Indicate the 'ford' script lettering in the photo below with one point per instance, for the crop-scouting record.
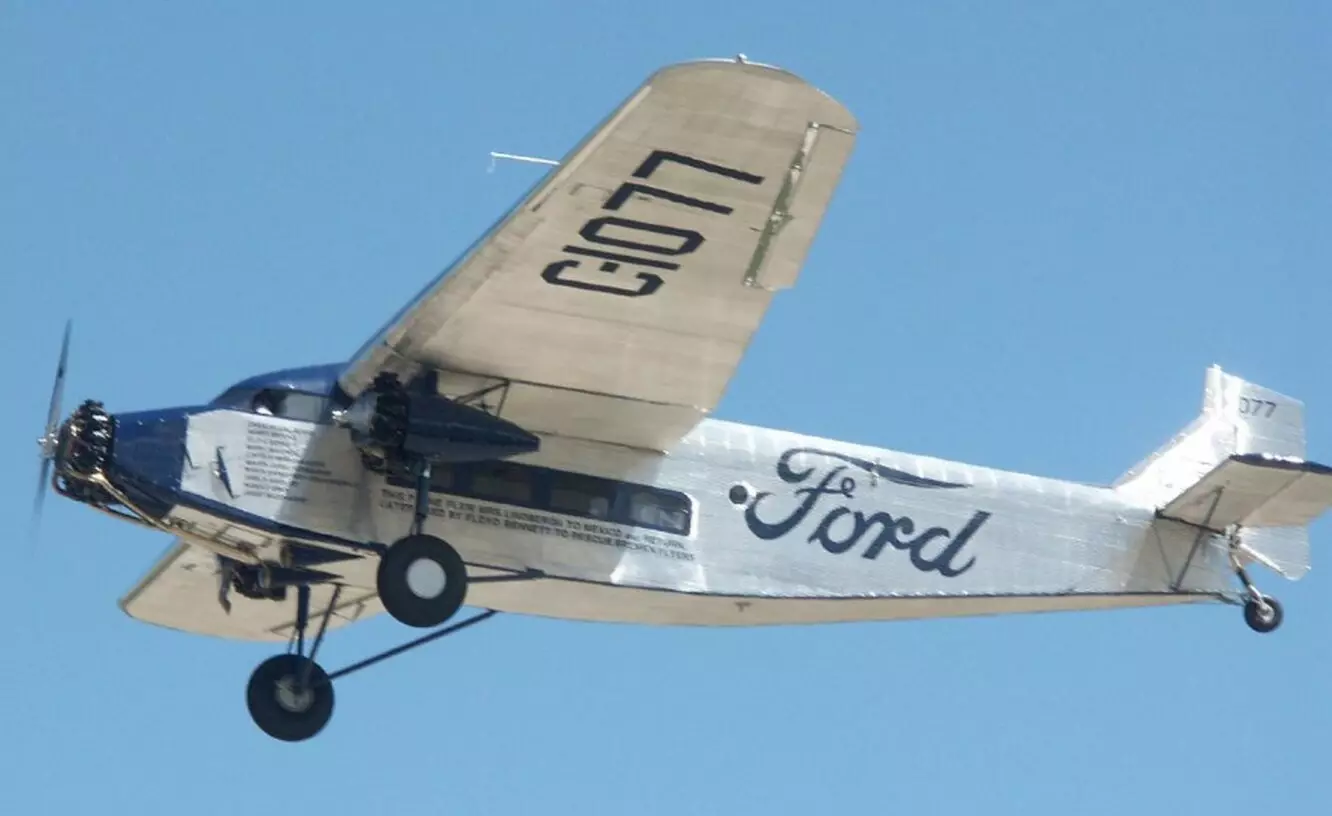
(936, 549)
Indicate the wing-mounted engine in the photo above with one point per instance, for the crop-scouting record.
(421, 579)
(395, 424)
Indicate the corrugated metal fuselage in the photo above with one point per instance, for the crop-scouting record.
(778, 528)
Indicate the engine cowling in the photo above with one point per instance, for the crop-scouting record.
(83, 450)
(390, 423)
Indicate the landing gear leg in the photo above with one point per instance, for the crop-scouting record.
(1262, 613)
(423, 474)
(290, 696)
(422, 580)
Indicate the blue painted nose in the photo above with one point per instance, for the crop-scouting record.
(147, 455)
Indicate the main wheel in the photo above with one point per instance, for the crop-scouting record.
(282, 706)
(422, 581)
(1263, 616)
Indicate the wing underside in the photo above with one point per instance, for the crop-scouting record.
(615, 301)
(181, 592)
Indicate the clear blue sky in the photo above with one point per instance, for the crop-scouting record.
(1058, 214)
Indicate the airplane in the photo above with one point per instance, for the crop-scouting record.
(531, 435)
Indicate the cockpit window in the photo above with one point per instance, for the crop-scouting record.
(289, 405)
(267, 403)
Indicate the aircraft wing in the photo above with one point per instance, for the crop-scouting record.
(180, 592)
(615, 300)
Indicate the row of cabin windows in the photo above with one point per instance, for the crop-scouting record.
(570, 494)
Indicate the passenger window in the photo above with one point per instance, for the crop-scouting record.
(581, 496)
(441, 478)
(664, 511)
(400, 474)
(502, 483)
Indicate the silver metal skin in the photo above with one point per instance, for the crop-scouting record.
(1027, 544)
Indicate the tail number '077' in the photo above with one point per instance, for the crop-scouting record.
(613, 237)
(1248, 406)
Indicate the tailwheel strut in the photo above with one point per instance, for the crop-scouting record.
(290, 696)
(1262, 613)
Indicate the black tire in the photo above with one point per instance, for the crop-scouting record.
(278, 706)
(1260, 619)
(408, 581)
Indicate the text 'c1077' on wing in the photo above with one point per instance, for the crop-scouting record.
(610, 248)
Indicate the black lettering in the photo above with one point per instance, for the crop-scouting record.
(778, 529)
(893, 531)
(591, 231)
(655, 159)
(836, 546)
(551, 274)
(944, 561)
(620, 196)
(617, 257)
(891, 527)
(914, 546)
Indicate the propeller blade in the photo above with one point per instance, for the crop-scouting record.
(42, 478)
(50, 433)
(58, 390)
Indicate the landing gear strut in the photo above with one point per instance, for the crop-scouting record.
(290, 696)
(421, 581)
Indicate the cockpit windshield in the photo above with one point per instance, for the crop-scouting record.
(301, 394)
(289, 405)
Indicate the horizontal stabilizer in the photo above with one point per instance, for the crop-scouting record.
(1255, 490)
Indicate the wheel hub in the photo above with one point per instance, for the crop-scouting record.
(291, 696)
(426, 578)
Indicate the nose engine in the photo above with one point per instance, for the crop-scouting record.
(83, 448)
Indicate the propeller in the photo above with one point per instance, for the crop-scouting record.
(50, 439)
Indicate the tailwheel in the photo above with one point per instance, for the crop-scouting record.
(1262, 614)
(422, 581)
(290, 697)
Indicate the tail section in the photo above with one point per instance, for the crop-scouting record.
(1240, 463)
